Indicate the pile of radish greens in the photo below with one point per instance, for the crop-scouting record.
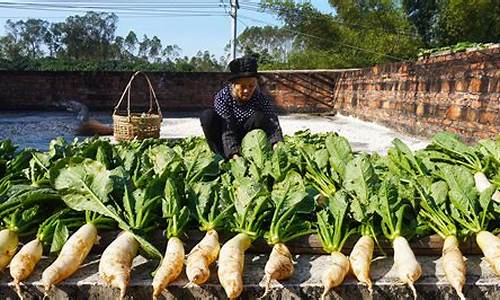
(57, 203)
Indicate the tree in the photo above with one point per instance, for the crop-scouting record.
(144, 46)
(171, 52)
(131, 42)
(155, 49)
(468, 20)
(423, 15)
(361, 33)
(31, 35)
(88, 37)
(269, 43)
(9, 48)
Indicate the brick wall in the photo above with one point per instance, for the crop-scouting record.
(454, 92)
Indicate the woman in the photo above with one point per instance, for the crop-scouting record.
(239, 107)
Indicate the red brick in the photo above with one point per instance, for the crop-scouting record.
(453, 113)
(420, 109)
(489, 117)
(460, 85)
(475, 85)
(471, 115)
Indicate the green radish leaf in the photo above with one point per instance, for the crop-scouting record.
(325, 230)
(255, 148)
(321, 158)
(280, 164)
(19, 196)
(129, 205)
(340, 153)
(492, 149)
(149, 250)
(252, 206)
(202, 196)
(450, 142)
(60, 236)
(463, 194)
(290, 192)
(485, 198)
(85, 186)
(360, 178)
(178, 223)
(338, 204)
(238, 167)
(361, 182)
(246, 191)
(388, 204)
(439, 192)
(200, 162)
(171, 202)
(104, 155)
(128, 158)
(164, 159)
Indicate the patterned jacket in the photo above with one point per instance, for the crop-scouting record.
(236, 113)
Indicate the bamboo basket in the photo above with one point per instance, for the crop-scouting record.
(137, 125)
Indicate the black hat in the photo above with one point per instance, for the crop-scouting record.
(243, 67)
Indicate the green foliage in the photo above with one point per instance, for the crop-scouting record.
(355, 34)
(89, 43)
(292, 204)
(334, 224)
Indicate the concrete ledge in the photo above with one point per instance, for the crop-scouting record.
(305, 284)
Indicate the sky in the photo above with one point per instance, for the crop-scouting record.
(193, 25)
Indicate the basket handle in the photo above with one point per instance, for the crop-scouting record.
(127, 89)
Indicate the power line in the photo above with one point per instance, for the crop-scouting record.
(146, 12)
(121, 16)
(184, 8)
(126, 5)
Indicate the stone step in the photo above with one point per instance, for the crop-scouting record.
(481, 283)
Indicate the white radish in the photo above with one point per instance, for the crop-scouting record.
(407, 266)
(279, 266)
(24, 262)
(454, 265)
(231, 263)
(116, 261)
(201, 257)
(361, 259)
(482, 183)
(72, 255)
(490, 245)
(170, 267)
(496, 196)
(336, 272)
(8, 245)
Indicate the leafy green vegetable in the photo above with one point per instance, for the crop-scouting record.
(471, 210)
(334, 225)
(292, 204)
(207, 204)
(395, 211)
(251, 200)
(361, 182)
(86, 186)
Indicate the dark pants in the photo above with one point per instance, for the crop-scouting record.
(213, 126)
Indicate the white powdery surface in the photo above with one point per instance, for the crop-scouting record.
(365, 136)
(36, 129)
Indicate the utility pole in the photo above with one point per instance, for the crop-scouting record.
(234, 15)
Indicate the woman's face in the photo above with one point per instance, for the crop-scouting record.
(244, 88)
